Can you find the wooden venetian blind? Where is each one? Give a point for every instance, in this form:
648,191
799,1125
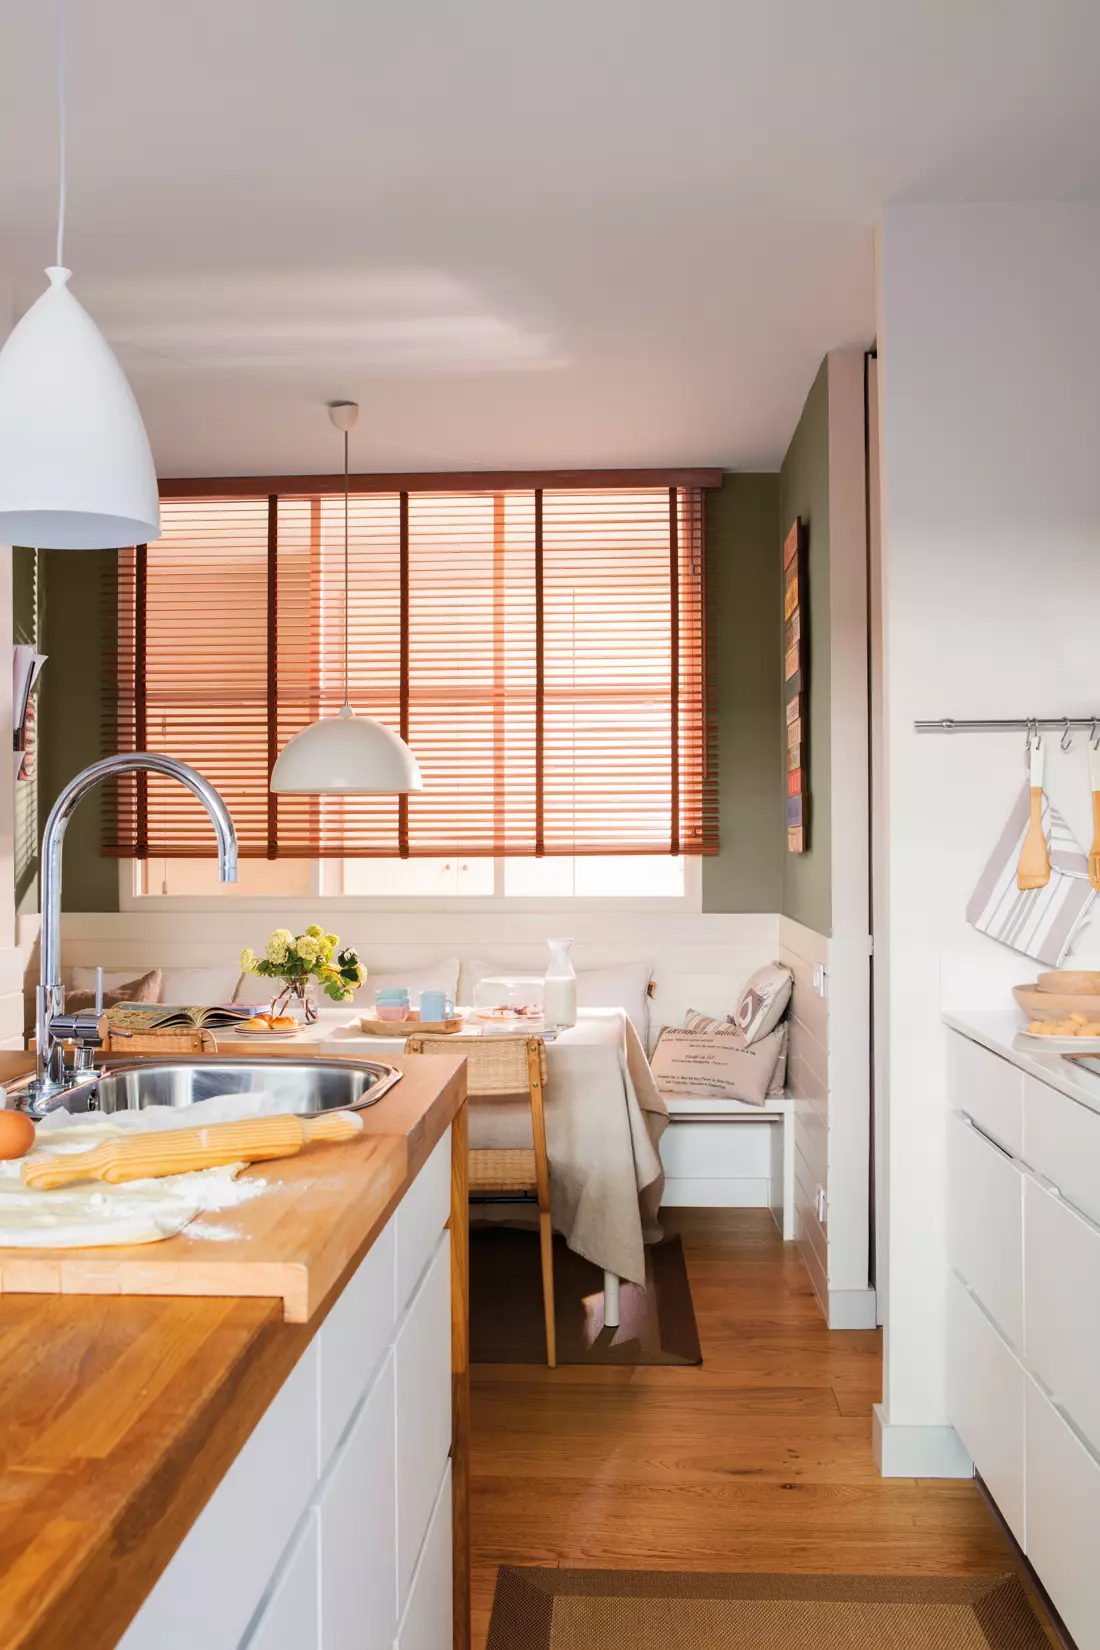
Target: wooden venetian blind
541,649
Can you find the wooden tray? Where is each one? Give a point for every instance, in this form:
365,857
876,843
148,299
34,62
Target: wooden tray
405,1028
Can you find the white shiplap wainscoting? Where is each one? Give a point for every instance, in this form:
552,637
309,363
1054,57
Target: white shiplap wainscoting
699,960
827,1079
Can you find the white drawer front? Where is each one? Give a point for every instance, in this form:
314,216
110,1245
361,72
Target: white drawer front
291,1617
252,1516
422,1355
421,1216
1062,1142
985,1402
1062,1310
427,1622
1063,1514
985,1229
987,1088
358,1520
353,1339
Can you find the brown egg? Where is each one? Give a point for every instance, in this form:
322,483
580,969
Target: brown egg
16,1134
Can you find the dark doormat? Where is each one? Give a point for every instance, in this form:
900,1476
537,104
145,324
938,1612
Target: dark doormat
657,1324
537,1609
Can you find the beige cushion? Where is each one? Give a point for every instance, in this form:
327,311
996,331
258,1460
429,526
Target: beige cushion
763,1001
145,990
719,1064
440,976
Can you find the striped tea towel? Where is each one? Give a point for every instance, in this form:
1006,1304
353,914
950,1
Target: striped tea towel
1040,922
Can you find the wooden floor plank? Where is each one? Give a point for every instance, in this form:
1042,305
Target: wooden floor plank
758,1460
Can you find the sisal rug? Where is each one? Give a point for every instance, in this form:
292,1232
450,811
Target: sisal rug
657,1323
537,1609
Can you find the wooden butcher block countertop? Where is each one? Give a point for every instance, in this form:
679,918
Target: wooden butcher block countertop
119,1416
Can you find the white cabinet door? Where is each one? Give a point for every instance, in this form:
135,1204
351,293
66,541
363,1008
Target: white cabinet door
1063,1515
427,1622
985,1225
353,1338
291,1618
1062,1142
422,1357
421,1216
357,1531
214,1584
985,1402
987,1088
1062,1312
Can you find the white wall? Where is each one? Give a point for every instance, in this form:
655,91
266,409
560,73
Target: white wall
990,430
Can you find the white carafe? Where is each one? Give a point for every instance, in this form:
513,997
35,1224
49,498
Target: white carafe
559,1002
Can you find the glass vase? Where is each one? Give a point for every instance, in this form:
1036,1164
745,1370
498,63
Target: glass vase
296,1000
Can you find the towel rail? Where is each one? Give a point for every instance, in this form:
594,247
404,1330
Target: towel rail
1018,724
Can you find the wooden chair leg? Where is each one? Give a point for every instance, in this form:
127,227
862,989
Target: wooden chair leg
546,1244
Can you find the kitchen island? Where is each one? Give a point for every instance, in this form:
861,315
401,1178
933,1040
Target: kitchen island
186,1472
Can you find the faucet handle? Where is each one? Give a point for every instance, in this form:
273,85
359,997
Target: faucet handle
88,1029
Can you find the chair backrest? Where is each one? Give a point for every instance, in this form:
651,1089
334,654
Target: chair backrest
494,1064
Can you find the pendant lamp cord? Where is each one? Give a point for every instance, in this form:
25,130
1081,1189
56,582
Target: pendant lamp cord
347,588
61,132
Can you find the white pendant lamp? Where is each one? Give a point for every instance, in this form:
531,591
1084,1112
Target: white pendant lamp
346,754
76,472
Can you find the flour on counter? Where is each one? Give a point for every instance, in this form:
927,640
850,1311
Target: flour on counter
100,1215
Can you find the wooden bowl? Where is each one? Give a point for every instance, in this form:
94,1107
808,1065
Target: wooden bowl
1055,1005
1077,982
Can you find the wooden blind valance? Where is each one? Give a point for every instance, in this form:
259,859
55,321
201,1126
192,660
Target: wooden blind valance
541,649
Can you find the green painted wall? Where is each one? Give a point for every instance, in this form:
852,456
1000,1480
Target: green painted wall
76,620
26,629
744,595
806,888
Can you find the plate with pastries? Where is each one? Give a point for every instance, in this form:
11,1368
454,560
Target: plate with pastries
1077,1032
267,1025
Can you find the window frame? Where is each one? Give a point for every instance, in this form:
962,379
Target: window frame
132,898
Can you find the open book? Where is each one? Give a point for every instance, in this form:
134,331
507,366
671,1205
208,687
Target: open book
146,1017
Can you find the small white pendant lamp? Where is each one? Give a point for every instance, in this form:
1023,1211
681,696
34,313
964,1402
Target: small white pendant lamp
76,472
346,754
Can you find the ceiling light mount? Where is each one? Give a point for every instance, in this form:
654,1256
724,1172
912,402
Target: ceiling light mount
346,755
76,471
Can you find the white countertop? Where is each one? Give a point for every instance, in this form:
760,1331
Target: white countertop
998,1030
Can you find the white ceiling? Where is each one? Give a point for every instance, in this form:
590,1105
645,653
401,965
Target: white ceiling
582,232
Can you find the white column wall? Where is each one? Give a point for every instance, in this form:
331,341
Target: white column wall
990,429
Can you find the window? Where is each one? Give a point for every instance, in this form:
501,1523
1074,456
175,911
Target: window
596,876
541,648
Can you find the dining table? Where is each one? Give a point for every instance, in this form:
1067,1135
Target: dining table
604,1122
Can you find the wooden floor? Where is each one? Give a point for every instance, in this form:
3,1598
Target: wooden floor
758,1460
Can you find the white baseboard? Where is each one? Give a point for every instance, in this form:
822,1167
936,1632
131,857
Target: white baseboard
918,1452
852,1309
716,1192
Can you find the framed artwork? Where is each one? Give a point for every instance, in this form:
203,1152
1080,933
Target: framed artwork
795,663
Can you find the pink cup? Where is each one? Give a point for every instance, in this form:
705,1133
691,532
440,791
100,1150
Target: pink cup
391,1011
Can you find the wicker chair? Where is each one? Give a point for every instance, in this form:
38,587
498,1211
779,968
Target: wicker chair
496,1067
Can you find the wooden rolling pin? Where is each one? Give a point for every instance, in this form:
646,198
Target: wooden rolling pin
177,1151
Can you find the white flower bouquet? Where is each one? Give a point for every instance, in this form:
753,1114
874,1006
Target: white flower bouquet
299,959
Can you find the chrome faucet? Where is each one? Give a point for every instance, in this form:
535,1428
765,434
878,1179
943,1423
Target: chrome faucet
52,1025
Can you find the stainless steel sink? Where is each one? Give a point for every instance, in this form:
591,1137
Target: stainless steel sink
304,1086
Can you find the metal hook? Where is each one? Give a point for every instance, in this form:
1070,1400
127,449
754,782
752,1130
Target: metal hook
1034,737
1093,736
1066,741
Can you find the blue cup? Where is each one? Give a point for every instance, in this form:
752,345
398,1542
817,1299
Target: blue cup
435,1005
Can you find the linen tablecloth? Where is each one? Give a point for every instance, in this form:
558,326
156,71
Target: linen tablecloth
604,1122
